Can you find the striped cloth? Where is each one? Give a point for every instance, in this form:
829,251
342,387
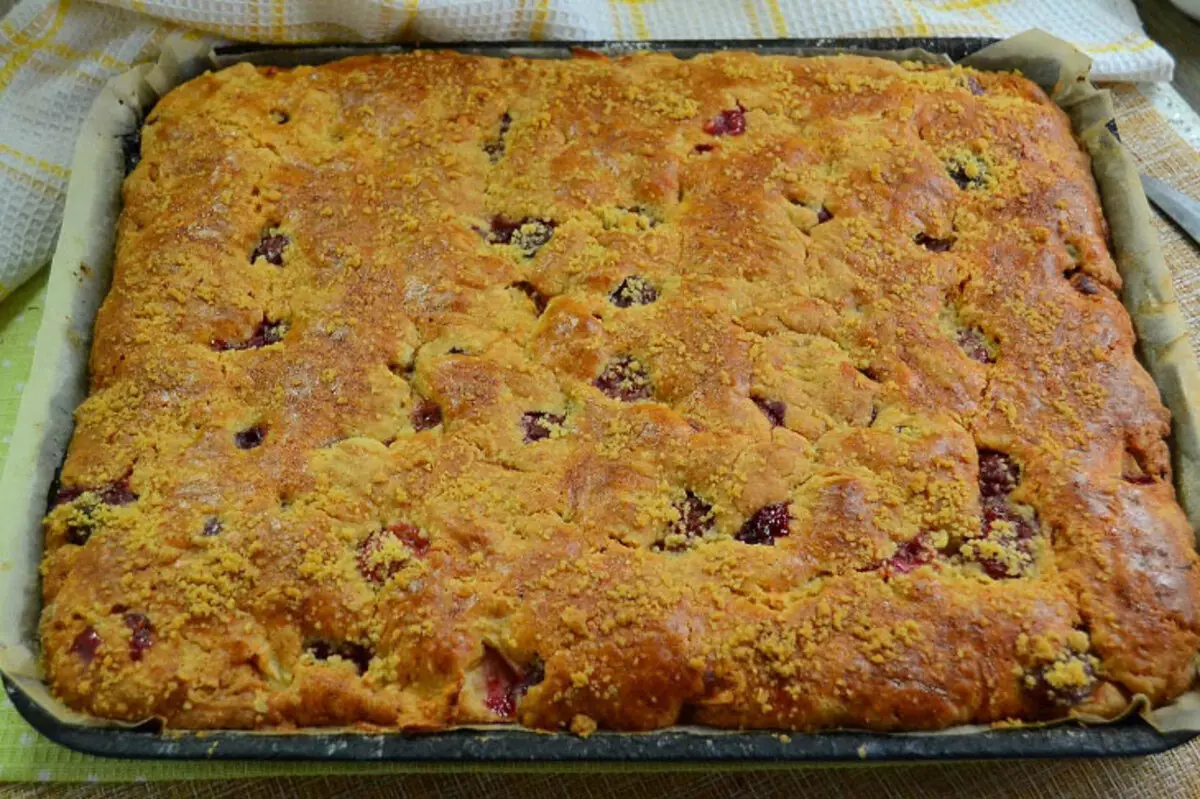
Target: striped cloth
56,54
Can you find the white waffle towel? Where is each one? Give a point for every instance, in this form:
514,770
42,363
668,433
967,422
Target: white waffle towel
56,54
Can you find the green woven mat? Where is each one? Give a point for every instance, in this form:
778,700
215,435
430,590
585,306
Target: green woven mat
24,754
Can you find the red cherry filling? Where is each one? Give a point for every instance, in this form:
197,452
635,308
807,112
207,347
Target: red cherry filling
357,654
1065,682
527,233
114,493
1083,283
79,529
704,148
504,685
974,344
537,425
768,523
374,560
730,122
141,636
968,173
495,148
540,300
86,644
933,244
426,415
271,247
624,378
695,517
998,474
909,556
80,532
774,410
268,332
634,290
251,437
1003,549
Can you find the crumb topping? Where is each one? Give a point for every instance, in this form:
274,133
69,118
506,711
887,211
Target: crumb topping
751,391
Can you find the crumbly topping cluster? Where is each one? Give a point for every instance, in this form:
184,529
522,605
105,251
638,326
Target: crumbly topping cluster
745,391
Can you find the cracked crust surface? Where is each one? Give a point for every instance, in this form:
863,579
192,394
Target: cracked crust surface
746,391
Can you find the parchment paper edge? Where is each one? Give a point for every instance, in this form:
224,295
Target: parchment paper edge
81,271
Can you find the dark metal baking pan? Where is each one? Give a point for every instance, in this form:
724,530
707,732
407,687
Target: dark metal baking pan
506,746
510,746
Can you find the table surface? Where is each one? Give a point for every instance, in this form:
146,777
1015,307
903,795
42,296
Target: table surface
1163,153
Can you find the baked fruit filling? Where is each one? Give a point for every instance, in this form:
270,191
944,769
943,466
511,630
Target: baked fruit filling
747,391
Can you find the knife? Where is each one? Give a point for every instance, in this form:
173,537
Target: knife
1177,206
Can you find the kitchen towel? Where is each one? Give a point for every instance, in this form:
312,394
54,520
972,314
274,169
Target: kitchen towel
56,54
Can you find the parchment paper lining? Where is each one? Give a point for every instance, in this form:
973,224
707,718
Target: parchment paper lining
82,266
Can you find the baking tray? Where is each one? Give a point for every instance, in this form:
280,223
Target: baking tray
1129,737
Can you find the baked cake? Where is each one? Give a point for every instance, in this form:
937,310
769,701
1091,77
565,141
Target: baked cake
743,391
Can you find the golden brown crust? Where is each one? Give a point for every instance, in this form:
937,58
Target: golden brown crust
749,391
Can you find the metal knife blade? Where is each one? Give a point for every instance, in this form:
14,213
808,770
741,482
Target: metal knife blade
1182,209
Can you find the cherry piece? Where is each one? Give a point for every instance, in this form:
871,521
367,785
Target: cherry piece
495,148
909,556
86,644
504,685
357,654
117,492
251,437
774,410
268,332
998,474
731,122
1064,695
540,424
540,300
704,148
695,516
373,563
768,523
527,233
966,180
634,290
933,244
80,532
271,247
1083,283
212,526
999,509
426,415
65,494
141,635
973,343
624,379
